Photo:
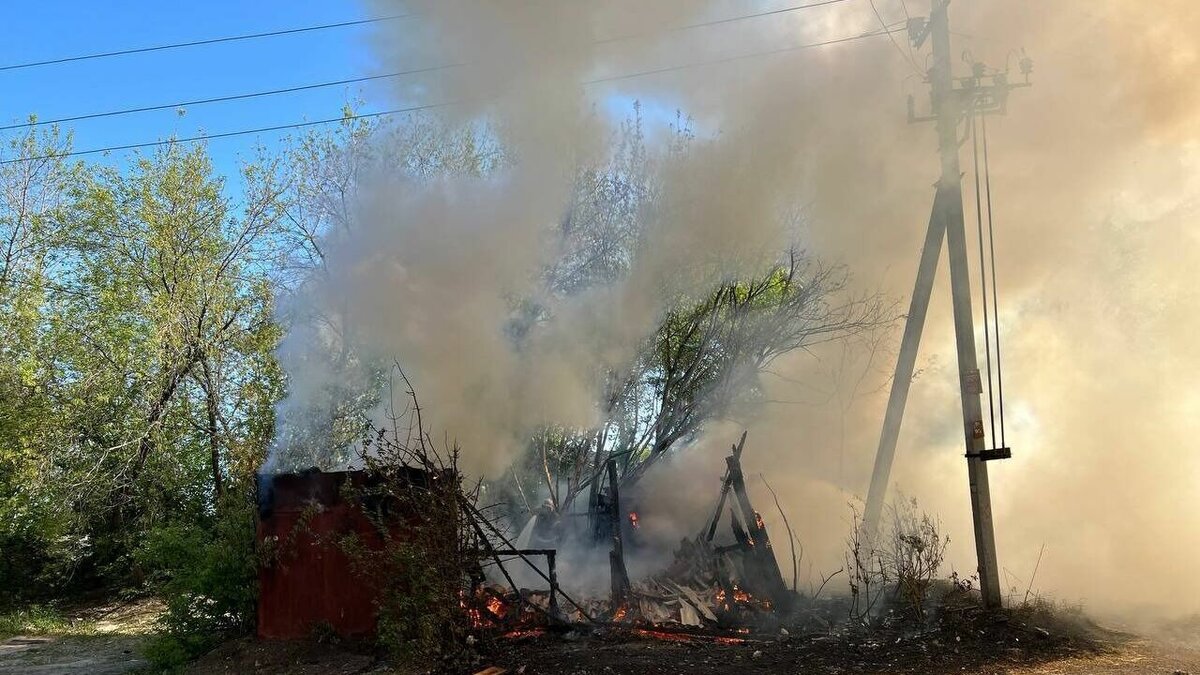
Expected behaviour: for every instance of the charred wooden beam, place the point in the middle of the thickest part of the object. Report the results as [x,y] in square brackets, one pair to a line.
[725,484]
[476,518]
[551,570]
[766,566]
[550,556]
[616,557]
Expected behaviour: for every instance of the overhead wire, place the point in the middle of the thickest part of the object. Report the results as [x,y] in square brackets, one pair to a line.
[987,331]
[906,56]
[222,99]
[197,43]
[738,57]
[907,21]
[281,127]
[359,22]
[716,22]
[355,80]
[227,134]
[987,177]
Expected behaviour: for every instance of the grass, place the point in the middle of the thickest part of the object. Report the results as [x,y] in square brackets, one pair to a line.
[39,620]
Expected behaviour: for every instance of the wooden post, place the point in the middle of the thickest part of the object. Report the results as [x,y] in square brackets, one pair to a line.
[766,564]
[550,555]
[616,557]
[712,528]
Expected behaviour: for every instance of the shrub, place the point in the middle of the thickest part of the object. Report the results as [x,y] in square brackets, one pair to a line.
[206,576]
[903,559]
[915,551]
[431,542]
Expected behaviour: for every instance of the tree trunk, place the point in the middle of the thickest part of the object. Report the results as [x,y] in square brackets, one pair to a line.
[214,440]
[156,412]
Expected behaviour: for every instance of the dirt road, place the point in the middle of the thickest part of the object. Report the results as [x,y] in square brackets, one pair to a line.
[103,640]
[1138,657]
[70,655]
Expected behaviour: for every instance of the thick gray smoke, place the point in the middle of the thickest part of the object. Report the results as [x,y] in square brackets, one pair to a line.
[1094,177]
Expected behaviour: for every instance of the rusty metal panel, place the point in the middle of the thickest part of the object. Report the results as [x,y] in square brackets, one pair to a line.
[310,583]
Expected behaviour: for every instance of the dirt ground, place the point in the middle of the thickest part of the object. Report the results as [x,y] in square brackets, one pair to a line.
[102,640]
[1139,657]
[1003,651]
[107,641]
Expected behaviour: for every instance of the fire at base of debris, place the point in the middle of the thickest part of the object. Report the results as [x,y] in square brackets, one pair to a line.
[719,595]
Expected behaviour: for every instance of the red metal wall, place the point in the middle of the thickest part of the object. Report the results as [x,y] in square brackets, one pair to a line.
[309,581]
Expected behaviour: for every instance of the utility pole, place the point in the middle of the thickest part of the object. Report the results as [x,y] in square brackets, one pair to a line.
[950,104]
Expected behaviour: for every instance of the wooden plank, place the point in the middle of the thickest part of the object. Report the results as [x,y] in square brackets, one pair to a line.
[696,602]
[764,556]
[737,455]
[688,615]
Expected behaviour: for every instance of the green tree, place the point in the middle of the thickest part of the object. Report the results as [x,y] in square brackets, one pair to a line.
[150,348]
[35,191]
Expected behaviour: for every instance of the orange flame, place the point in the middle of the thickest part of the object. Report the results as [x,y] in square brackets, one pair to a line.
[681,637]
[496,606]
[662,635]
[478,616]
[528,633]
[633,520]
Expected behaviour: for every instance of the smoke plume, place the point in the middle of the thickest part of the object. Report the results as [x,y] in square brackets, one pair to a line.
[1094,177]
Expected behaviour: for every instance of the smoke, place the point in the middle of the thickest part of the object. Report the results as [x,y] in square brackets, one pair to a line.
[1094,175]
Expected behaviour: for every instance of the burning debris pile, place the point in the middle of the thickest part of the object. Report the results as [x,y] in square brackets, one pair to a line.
[437,578]
[724,590]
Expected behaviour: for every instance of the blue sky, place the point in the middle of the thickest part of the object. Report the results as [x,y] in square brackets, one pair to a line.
[72,27]
[67,28]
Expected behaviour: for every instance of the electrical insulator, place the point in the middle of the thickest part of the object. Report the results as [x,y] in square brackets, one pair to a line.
[916,26]
[1026,65]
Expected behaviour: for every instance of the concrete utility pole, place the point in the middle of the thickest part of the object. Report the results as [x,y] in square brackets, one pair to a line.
[950,104]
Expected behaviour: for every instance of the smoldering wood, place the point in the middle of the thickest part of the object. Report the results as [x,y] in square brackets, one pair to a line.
[764,563]
[740,536]
[553,612]
[725,483]
[495,555]
[476,518]
[616,557]
[550,568]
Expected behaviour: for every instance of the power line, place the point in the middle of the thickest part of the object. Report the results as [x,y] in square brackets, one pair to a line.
[197,43]
[319,85]
[907,57]
[739,57]
[221,99]
[193,139]
[352,81]
[716,22]
[227,134]
[344,24]
[987,177]
[987,329]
